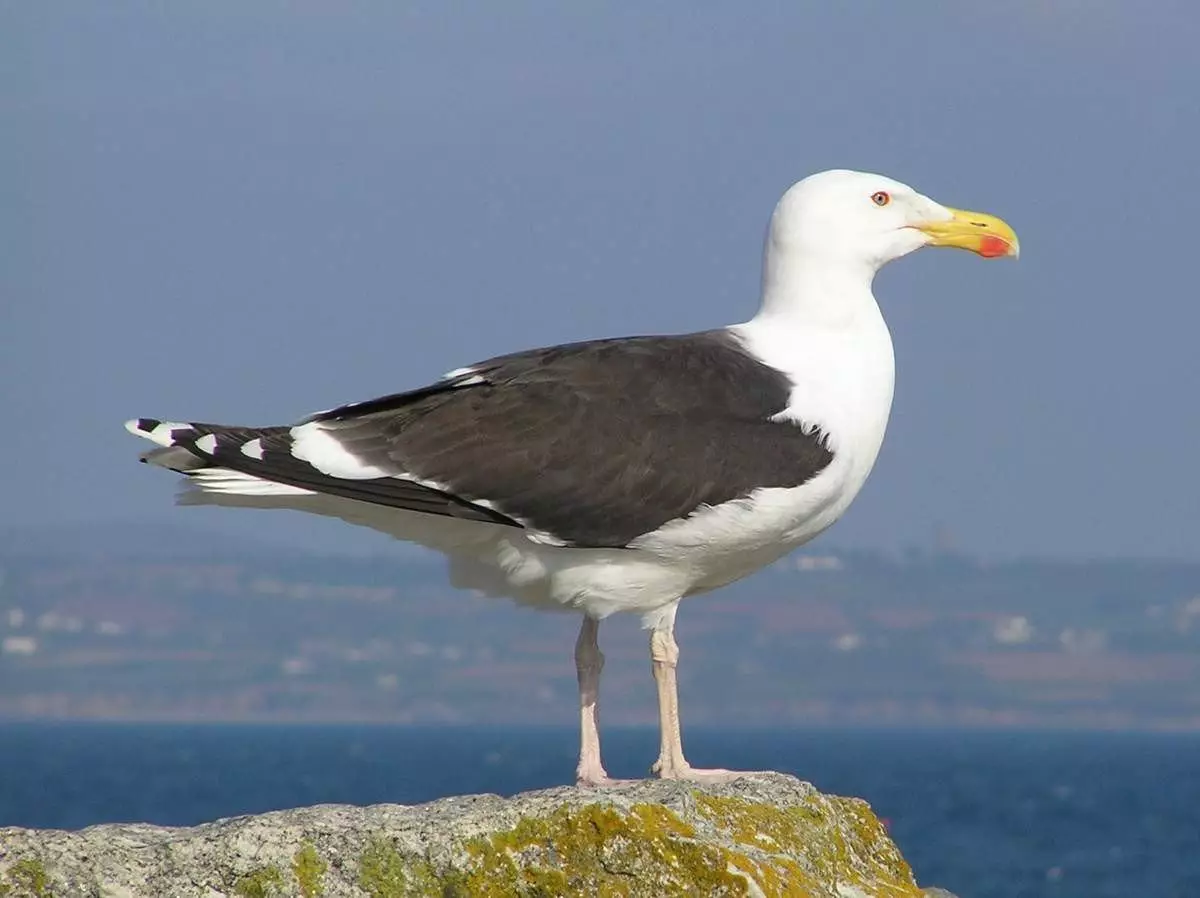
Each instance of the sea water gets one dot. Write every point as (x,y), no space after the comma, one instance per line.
(985,814)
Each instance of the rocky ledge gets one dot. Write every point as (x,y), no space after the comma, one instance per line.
(763,835)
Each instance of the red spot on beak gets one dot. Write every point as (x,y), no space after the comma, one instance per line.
(990,247)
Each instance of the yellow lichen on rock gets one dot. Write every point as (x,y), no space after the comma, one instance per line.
(309,869)
(265,882)
(841,844)
(596,849)
(25,879)
(648,850)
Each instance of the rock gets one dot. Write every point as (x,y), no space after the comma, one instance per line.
(762,835)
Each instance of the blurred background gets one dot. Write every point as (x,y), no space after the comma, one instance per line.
(247,212)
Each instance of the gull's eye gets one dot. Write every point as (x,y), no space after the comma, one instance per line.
(880,198)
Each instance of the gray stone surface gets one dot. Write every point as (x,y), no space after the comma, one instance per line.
(763,835)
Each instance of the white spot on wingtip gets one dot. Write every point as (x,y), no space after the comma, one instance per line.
(207,444)
(459,373)
(253,449)
(163,433)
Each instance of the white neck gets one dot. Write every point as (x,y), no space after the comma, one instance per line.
(806,290)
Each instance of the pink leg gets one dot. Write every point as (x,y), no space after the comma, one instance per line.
(664,659)
(589,662)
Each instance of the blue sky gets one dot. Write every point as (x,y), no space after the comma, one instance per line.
(246,212)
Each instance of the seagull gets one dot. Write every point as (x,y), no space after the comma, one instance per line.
(627,474)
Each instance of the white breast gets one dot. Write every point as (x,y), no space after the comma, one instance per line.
(843,375)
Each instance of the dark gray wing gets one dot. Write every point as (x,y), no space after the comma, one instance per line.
(593,444)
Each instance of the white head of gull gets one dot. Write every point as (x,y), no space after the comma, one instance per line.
(628,474)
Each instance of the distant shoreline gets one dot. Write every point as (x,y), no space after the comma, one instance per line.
(1023,726)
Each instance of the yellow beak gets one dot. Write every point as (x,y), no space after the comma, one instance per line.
(987,235)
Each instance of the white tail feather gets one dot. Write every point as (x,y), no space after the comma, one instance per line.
(228,481)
